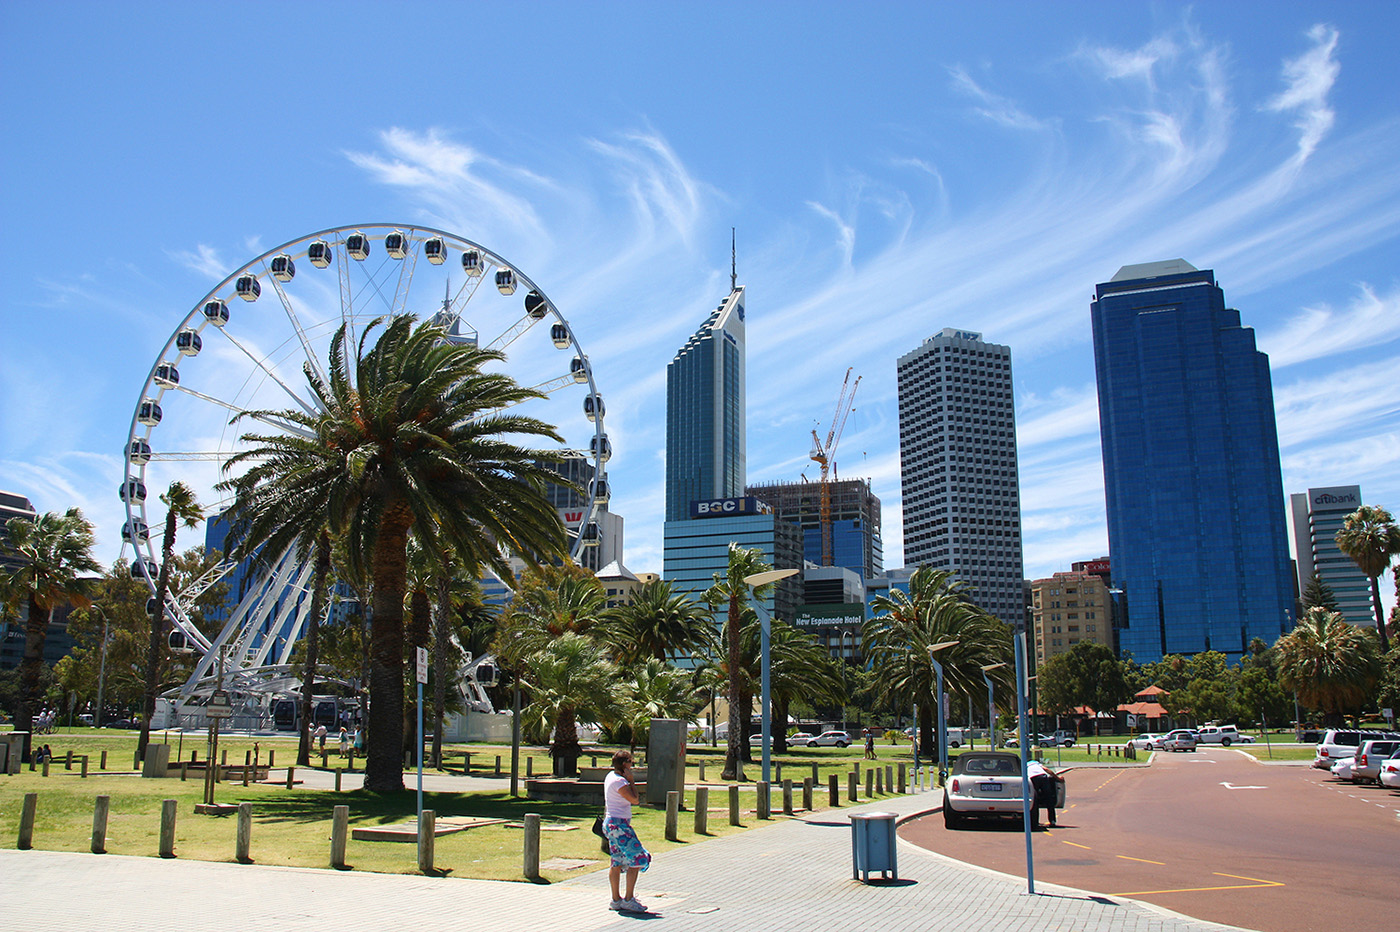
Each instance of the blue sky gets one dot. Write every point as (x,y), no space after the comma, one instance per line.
(891,169)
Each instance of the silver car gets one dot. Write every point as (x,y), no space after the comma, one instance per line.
(1180,740)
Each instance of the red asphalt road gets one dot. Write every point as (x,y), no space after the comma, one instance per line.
(1211,834)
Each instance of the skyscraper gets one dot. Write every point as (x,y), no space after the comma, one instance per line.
(855,520)
(1317,517)
(957,454)
(705,412)
(1192,484)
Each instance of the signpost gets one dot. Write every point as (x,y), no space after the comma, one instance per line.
(422,678)
(219,708)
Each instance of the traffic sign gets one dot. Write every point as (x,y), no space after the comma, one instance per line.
(422,665)
(219,705)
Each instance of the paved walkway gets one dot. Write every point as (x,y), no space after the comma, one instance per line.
(790,875)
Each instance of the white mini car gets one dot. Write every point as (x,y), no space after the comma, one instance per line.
(987,784)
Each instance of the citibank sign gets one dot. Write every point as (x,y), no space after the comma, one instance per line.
(725,507)
(1338,495)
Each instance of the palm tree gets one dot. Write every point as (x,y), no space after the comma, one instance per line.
(51,554)
(568,676)
(655,689)
(800,669)
(730,589)
(1370,537)
(181,508)
(659,623)
(407,436)
(1332,665)
(904,626)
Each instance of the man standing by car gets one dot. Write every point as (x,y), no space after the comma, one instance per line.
(1043,786)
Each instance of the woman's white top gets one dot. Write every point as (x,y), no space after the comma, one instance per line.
(615,805)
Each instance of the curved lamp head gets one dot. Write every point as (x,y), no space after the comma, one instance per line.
(763,579)
(992,666)
(940,645)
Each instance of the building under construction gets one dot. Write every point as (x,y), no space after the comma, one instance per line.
(855,520)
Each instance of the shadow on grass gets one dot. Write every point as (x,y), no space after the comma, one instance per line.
(388,808)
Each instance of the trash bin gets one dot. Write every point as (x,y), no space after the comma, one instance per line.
(873,845)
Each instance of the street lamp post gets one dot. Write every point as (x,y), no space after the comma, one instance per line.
(765,627)
(101,669)
(991,706)
(942,719)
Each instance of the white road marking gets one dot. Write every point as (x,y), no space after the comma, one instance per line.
(1231,786)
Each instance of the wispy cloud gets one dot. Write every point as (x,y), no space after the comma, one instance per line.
(203,259)
(1342,402)
(1309,79)
(1000,110)
(1320,331)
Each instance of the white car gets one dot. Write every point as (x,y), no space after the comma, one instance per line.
(1147,741)
(797,739)
(1390,772)
(983,785)
(829,739)
(1341,769)
(1180,740)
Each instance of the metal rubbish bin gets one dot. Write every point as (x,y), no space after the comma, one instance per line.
(873,846)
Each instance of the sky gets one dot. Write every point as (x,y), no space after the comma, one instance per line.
(889,170)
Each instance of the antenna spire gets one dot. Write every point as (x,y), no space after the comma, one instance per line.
(733,262)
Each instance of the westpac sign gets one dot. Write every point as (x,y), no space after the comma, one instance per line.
(727,507)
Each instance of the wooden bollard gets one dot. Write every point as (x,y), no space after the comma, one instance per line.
(223,758)
(834,790)
(167,828)
(702,810)
(26,821)
(427,837)
(593,760)
(194,757)
(136,760)
(184,770)
(85,766)
(529,768)
(787,797)
(764,805)
(243,841)
(247,766)
(351,765)
(807,794)
(103,764)
(889,777)
(337,779)
(673,805)
(46,766)
(340,830)
(702,772)
(903,778)
(879,782)
(778,772)
(99,824)
(68,761)
(498,765)
(816,777)
(869,782)
(291,776)
(325,759)
(733,804)
(852,786)
(271,757)
(532,846)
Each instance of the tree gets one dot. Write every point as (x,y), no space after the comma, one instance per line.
(936,609)
(1371,538)
(800,668)
(1317,594)
(181,508)
(1088,674)
(658,623)
(406,436)
(1333,666)
(568,676)
(729,589)
(655,689)
(52,554)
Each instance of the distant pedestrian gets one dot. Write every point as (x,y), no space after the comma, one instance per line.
(619,795)
(320,736)
(869,744)
(344,741)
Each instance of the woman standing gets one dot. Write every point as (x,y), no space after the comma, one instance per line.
(619,795)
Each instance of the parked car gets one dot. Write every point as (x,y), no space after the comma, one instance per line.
(986,785)
(1061,739)
(1344,742)
(797,739)
(1390,772)
(1180,740)
(1038,741)
(830,739)
(1341,767)
(1366,765)
(1147,741)
(1223,735)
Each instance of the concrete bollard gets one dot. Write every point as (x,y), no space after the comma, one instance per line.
(291,776)
(338,772)
(243,841)
(702,810)
(673,806)
(532,846)
(764,808)
(807,794)
(26,821)
(834,790)
(427,835)
(787,797)
(103,764)
(99,824)
(869,782)
(879,782)
(340,830)
(734,805)
(903,778)
(852,786)
(167,828)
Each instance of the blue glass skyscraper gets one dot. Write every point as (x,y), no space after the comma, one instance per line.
(1194,493)
(705,412)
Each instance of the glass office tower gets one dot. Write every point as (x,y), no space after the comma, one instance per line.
(1194,493)
(705,412)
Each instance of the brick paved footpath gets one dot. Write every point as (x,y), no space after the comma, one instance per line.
(793,875)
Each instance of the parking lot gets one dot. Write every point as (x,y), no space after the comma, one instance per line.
(1211,834)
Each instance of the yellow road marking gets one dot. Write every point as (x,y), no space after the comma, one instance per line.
(1109,780)
(1267,883)
(1085,847)
(1243,886)
(1143,860)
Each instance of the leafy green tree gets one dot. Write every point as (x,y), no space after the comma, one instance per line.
(1333,666)
(1371,538)
(406,437)
(1088,674)
(1210,687)
(1259,696)
(182,508)
(53,559)
(730,590)
(1317,594)
(659,623)
(904,625)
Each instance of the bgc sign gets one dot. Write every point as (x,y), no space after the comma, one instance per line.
(728,507)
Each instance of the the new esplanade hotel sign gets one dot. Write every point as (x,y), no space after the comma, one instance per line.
(830,616)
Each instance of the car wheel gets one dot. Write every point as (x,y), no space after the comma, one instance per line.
(1225,742)
(841,744)
(951,819)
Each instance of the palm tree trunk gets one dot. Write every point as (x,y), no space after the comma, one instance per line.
(738,709)
(565,749)
(157,651)
(36,631)
(384,746)
(313,632)
(1380,614)
(442,644)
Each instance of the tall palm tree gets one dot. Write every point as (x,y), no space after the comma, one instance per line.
(52,554)
(659,623)
(730,590)
(1371,538)
(407,436)
(903,627)
(181,508)
(1332,665)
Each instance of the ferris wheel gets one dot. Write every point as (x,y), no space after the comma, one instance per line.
(241,349)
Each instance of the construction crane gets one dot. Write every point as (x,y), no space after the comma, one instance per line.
(825,455)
